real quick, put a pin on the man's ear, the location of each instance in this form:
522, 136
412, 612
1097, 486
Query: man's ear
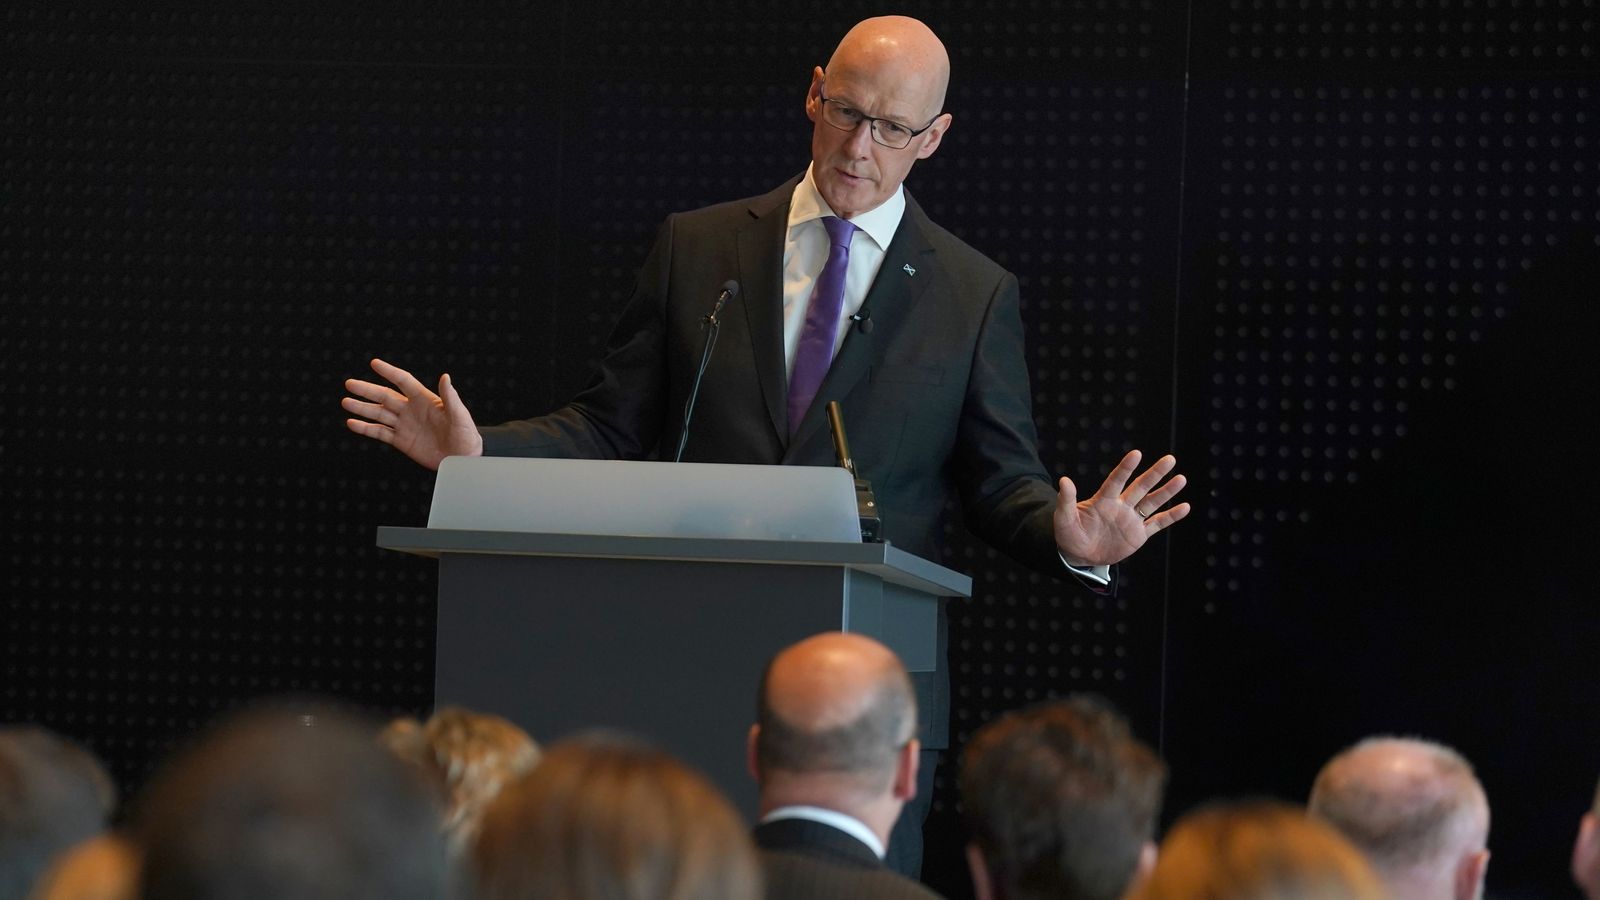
1469, 876
750, 763
907, 760
934, 134
814, 95
982, 888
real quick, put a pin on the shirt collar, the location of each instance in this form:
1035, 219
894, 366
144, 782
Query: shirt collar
880, 222
848, 824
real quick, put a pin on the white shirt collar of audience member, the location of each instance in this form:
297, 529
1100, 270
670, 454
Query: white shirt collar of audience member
847, 824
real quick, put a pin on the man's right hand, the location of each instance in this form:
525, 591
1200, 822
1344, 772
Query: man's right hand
414, 420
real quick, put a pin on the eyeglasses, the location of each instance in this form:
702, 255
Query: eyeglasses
887, 132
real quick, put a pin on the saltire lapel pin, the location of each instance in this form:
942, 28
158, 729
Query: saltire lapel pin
909, 269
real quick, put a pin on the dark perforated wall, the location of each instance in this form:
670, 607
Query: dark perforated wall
1341, 255
1389, 312
206, 214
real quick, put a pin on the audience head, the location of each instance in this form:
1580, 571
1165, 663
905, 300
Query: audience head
601, 817
1586, 851
1415, 809
53, 794
835, 725
890, 68
275, 805
1257, 850
1061, 801
468, 756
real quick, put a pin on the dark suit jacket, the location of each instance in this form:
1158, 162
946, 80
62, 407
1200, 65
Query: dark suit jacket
804, 859
935, 399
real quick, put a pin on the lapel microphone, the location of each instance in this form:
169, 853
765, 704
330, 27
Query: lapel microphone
863, 320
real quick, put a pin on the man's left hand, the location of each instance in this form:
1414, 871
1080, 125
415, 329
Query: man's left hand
1108, 527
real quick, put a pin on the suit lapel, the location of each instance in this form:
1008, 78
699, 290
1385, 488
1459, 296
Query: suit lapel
760, 248
908, 268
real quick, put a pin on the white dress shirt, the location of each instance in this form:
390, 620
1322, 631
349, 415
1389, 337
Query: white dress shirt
805, 251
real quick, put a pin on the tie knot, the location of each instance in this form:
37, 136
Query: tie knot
839, 231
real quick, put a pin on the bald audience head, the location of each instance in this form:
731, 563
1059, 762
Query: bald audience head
835, 719
1415, 809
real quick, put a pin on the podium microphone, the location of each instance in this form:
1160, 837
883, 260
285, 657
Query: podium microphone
711, 325
730, 290
866, 503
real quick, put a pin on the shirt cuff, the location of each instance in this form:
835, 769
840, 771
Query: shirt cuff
1100, 575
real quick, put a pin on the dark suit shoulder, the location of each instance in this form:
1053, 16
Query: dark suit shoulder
792, 875
719, 214
804, 859
956, 251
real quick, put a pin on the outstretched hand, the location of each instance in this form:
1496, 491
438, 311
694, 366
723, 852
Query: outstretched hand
1108, 527
414, 420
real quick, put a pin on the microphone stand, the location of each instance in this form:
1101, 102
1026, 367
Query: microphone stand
712, 324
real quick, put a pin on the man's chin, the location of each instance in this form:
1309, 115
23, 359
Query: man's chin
847, 198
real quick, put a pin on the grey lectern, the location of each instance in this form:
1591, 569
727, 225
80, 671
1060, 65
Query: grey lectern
647, 597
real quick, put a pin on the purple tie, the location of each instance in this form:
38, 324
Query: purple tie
815, 351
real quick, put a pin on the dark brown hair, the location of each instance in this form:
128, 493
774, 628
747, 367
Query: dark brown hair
275, 804
1060, 799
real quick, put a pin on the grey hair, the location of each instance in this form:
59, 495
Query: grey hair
1405, 823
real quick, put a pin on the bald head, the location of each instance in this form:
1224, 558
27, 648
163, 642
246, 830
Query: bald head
894, 71
835, 704
900, 50
1411, 806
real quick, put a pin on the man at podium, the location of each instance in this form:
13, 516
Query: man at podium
846, 291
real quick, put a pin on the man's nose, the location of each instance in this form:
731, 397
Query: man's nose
860, 143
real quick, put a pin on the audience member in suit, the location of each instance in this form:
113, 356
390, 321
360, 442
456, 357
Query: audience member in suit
53, 795
468, 757
1417, 812
603, 817
1061, 802
835, 755
1257, 850
1586, 851
275, 806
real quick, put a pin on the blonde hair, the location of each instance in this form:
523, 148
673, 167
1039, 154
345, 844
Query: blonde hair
468, 756
1258, 850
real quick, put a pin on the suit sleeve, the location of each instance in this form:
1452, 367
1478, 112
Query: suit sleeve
1006, 495
619, 415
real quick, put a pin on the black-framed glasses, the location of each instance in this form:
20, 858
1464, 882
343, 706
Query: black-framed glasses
887, 132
